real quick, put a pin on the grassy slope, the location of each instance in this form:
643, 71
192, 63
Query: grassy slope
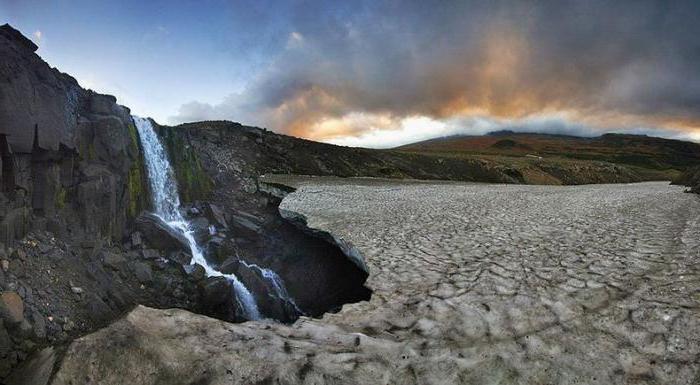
254, 152
651, 158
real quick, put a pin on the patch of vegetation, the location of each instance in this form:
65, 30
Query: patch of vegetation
136, 178
60, 199
648, 157
193, 182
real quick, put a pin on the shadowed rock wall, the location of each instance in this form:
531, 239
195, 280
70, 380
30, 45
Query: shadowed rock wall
70, 157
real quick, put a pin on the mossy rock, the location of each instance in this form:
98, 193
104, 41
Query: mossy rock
193, 182
137, 184
61, 196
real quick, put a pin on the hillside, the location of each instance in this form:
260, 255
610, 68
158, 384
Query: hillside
650, 157
258, 151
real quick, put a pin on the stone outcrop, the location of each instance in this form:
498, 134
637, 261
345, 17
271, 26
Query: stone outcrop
70, 157
72, 182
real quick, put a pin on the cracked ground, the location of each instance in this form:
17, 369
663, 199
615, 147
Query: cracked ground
472, 283
580, 284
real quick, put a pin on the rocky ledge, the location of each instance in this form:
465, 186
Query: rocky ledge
471, 284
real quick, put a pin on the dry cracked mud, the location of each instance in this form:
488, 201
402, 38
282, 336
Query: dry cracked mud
482, 284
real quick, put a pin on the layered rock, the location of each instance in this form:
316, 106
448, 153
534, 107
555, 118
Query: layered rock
71, 184
70, 157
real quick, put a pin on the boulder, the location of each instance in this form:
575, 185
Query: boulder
159, 235
36, 370
230, 266
195, 271
5, 342
113, 260
142, 272
7, 357
216, 215
217, 249
150, 254
200, 225
262, 290
180, 257
136, 240
217, 291
243, 221
11, 308
194, 349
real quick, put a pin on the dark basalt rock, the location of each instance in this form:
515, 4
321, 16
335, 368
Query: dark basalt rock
66, 152
216, 215
217, 291
72, 182
180, 257
230, 266
159, 235
16, 36
196, 272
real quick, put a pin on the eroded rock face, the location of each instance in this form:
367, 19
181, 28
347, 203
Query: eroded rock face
71, 184
471, 284
70, 157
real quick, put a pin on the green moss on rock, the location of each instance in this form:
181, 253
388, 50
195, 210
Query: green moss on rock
193, 181
60, 199
136, 178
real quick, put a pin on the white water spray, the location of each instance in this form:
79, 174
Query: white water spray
280, 291
166, 203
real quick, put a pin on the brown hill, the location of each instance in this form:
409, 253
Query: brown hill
653, 158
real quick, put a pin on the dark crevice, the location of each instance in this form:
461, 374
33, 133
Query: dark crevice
240, 229
317, 275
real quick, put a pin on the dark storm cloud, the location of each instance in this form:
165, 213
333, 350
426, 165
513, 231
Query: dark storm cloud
613, 62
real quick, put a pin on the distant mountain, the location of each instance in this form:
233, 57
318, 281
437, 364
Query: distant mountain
639, 151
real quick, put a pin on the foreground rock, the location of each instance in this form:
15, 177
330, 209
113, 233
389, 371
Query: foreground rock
472, 284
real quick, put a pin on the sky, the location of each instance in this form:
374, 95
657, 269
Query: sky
384, 73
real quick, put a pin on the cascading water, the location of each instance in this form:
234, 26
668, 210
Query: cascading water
277, 285
166, 203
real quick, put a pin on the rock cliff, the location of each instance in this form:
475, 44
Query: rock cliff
70, 157
72, 183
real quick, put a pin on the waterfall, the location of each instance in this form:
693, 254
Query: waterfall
275, 281
166, 203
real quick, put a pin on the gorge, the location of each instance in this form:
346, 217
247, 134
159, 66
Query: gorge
166, 202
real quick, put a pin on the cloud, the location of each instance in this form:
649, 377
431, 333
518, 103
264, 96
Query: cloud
37, 35
397, 132
604, 65
296, 40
